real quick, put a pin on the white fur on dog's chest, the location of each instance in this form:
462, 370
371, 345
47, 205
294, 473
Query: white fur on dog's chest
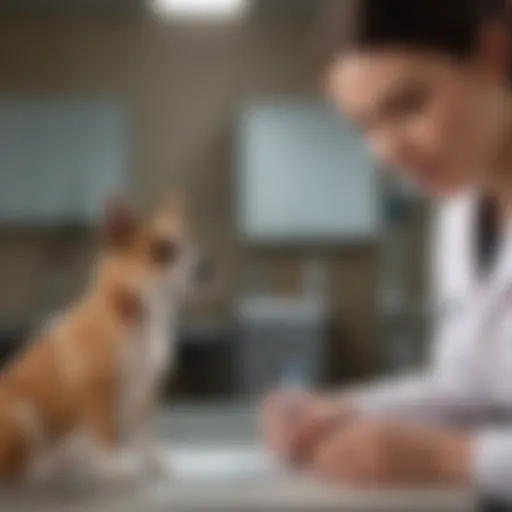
151, 352
158, 336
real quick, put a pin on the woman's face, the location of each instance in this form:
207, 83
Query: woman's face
424, 115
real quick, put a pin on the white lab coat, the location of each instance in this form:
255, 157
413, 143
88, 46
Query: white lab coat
469, 380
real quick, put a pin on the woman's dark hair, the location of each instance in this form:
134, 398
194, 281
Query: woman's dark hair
449, 26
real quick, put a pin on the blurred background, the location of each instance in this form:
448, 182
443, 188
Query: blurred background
320, 268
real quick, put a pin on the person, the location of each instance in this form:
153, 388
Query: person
427, 83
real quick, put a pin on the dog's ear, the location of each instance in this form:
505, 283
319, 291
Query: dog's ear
120, 223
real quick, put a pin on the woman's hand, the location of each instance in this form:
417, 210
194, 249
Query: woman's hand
374, 454
294, 422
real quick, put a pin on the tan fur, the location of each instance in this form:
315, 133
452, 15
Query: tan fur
70, 379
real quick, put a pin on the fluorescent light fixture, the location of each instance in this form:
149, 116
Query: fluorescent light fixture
201, 8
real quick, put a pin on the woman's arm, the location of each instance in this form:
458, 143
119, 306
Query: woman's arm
389, 454
421, 397
445, 390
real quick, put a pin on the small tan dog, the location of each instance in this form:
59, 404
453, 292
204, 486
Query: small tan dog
84, 393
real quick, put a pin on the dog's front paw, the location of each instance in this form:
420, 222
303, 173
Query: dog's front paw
119, 471
157, 465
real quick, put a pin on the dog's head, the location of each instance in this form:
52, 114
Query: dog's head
153, 256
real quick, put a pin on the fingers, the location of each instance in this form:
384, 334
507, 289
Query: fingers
334, 460
320, 423
294, 424
282, 419
355, 455
364, 453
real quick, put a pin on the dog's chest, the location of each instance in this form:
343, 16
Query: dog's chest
151, 352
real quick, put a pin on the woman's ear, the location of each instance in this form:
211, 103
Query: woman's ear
120, 223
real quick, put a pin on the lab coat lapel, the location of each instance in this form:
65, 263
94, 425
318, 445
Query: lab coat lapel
454, 262
495, 295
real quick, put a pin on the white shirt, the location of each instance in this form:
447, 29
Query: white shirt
469, 379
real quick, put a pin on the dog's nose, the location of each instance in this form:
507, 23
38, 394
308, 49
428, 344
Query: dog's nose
204, 270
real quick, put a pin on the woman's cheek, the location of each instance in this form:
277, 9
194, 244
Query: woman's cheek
427, 134
443, 136
459, 122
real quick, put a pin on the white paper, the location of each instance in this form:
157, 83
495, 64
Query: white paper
225, 463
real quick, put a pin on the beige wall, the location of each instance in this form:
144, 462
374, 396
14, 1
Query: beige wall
183, 86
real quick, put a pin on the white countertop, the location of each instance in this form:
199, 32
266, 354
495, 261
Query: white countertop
219, 466
273, 493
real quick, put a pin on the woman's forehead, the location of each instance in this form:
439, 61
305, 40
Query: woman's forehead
363, 78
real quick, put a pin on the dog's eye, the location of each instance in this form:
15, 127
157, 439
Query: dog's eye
164, 252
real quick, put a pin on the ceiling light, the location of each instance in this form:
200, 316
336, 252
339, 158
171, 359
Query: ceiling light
201, 8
